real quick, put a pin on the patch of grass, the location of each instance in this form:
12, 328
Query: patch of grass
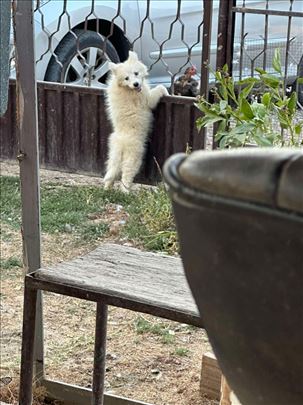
151, 221
168, 339
144, 326
10, 201
5, 235
92, 232
10, 263
181, 351
62, 205
66, 208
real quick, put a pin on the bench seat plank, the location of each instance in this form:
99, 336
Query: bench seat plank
127, 277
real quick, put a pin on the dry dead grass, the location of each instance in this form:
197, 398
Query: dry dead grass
146, 366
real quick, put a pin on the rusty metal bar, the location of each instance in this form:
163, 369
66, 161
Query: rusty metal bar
99, 354
243, 35
206, 41
27, 130
267, 12
288, 43
265, 37
225, 42
28, 340
205, 57
226, 30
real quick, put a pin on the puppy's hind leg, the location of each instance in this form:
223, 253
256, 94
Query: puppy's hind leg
113, 164
130, 167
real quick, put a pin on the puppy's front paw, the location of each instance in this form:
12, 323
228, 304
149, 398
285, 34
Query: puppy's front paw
162, 90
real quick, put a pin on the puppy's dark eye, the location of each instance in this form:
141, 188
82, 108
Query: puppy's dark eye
127, 78
136, 73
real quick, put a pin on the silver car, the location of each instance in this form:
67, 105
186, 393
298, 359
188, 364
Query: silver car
76, 39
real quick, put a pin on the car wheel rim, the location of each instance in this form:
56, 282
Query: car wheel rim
88, 68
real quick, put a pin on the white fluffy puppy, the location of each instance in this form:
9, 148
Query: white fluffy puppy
129, 105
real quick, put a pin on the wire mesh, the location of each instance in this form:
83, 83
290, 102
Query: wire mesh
76, 39
268, 26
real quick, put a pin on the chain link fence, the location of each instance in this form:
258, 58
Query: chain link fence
261, 28
75, 40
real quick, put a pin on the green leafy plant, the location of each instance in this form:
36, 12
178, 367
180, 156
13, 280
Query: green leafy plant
256, 110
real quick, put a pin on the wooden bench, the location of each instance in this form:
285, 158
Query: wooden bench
110, 275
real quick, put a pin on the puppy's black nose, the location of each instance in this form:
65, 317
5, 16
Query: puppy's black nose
136, 84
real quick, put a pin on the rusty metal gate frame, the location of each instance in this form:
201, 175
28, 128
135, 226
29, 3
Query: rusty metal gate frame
228, 11
227, 21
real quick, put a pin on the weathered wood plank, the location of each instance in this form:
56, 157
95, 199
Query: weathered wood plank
53, 128
126, 277
71, 394
27, 129
89, 131
210, 384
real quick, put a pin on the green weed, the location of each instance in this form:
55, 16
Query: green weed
168, 339
151, 221
92, 232
143, 326
10, 263
181, 351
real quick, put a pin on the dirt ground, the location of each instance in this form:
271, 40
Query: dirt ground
155, 368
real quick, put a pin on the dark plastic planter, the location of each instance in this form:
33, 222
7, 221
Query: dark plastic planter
239, 217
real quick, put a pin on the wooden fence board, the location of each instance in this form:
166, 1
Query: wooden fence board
74, 129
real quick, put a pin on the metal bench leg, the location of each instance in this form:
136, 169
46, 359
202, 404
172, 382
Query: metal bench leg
28, 340
99, 356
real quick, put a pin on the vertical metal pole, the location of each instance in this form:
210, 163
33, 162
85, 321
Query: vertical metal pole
287, 45
225, 41
206, 42
205, 58
226, 31
27, 130
99, 355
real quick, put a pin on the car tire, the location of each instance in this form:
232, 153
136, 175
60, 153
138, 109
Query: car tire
74, 67
300, 86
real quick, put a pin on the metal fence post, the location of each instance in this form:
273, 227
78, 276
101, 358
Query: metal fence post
226, 31
206, 41
225, 42
27, 130
205, 58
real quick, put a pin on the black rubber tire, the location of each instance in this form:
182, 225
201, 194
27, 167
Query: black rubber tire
300, 86
67, 49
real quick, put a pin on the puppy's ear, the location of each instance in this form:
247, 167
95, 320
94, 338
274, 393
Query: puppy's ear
132, 56
113, 67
